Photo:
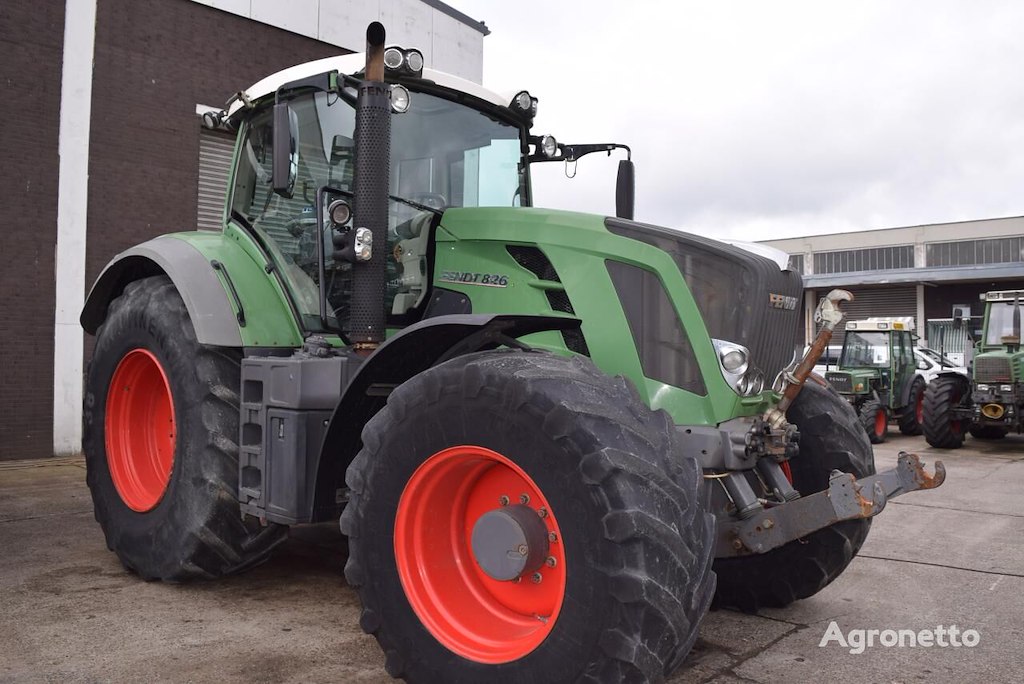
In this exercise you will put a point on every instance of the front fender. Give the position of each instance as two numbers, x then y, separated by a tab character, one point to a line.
405	354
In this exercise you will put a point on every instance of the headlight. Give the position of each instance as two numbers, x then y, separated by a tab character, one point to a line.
755	382
733	357
734	360
339	212
399	98
1006	388
522	100
549	146
983	388
364	244
414	60
399	59
752	383
393	58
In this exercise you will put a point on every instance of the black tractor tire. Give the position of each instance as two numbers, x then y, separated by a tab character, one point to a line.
194	529
875	420
942	395
831	438
638	543
988	432
912	415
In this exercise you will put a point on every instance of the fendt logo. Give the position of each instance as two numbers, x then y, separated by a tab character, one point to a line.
777	301
376	90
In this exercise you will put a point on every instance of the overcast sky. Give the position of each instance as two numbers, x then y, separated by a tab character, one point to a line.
754	120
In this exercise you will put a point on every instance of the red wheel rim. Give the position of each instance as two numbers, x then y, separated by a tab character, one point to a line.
470	613
880	422
919	408
139	429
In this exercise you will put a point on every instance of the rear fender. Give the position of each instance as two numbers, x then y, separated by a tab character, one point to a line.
405	354
233	304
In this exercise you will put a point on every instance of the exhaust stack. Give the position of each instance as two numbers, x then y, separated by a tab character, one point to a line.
372	174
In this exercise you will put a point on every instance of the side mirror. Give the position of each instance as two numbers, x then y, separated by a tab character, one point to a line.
286	150
625	183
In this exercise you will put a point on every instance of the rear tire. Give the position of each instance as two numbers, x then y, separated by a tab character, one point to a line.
183	521
988	432
636	544
941	429
912	415
831	438
875	420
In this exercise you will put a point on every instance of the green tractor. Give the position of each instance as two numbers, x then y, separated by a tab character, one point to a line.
877	374
988	404
548	435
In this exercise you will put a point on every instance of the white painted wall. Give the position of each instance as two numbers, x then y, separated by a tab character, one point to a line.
72	203
447	43
911	235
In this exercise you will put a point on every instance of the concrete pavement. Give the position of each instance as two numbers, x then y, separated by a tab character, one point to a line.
70	613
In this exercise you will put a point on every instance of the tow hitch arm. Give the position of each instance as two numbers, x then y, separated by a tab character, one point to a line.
845	498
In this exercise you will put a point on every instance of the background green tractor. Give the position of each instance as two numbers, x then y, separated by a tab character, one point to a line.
989	403
877	374
546	433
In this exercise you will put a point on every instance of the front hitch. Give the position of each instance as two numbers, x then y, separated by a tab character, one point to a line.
845	498
828	314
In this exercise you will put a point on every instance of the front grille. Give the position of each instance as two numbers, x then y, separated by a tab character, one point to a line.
992	369
742	297
841	381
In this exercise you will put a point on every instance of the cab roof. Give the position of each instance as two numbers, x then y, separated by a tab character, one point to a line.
354	64
1002	296
887	323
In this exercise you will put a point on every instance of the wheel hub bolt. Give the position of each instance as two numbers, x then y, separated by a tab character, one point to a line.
524	498
524	550
536	578
542	512
551	561
553	537
503	500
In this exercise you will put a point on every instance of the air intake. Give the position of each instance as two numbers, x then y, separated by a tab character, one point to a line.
534	261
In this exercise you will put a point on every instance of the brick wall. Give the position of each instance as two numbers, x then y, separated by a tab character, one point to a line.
31	42
154	61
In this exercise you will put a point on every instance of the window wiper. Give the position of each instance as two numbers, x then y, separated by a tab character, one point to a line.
416	205
404	200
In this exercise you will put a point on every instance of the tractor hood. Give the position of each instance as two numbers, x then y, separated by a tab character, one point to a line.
744	297
856	381
999	366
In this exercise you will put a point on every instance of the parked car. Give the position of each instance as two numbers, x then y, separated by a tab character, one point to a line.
930	363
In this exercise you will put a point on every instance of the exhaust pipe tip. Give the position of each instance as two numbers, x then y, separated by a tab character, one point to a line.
375	36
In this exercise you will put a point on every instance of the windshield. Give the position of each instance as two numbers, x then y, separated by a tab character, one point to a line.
443	154
1000	324
865	349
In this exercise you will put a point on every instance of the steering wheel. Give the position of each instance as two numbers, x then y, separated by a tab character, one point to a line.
297	226
434	200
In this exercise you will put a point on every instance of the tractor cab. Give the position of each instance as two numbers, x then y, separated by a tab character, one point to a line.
450	144
877	374
998	370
